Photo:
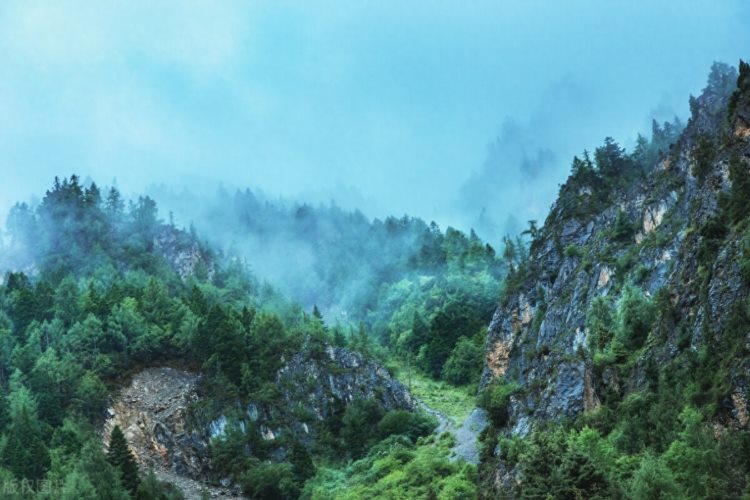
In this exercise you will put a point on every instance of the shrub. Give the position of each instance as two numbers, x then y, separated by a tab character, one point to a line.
745	259
704	155
736	206
402	422
495	399
573	251
712	233
270	481
623	229
555	467
635	317
599	323
654	480
465	362
359	425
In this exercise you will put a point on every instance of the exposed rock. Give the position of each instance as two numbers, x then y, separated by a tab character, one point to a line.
152	412
467	446
185	254
313	388
653	217
547	356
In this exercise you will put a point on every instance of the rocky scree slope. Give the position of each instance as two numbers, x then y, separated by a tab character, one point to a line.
165	421
655	230
154	413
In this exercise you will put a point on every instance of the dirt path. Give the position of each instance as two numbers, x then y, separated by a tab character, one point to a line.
466	434
467	446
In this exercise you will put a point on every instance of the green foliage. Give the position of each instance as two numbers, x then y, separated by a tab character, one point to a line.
111	296
573	251
270	481
712	233
495	399
24	451
741	94
704	156
745	258
454	402
120	456
78	487
302	463
623	229
736	206
397	468
465	362
635	317
150	488
648	153
653	480
360	425
106	478
559	465
600	324
405	423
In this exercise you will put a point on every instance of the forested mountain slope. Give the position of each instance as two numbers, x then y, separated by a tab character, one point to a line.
98	290
617	363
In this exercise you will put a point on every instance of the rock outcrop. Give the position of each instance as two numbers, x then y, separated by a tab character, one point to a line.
167	432
538	336
153	412
312	388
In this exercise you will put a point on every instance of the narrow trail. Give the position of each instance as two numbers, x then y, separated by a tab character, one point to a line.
466	434
467	446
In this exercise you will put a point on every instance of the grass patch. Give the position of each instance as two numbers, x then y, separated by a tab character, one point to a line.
454	402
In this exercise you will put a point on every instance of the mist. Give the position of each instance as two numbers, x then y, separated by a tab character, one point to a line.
466	114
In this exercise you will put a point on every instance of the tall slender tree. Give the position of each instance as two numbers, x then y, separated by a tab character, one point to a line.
120	456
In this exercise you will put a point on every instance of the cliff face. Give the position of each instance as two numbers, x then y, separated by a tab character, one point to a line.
313	388
653	231
154	413
166	424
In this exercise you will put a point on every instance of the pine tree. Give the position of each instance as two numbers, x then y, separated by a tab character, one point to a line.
738	202
302	464
120	456
25	453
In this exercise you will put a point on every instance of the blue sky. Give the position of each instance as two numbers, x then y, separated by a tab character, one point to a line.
390	106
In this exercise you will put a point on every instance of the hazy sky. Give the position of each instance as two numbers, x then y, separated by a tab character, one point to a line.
389	105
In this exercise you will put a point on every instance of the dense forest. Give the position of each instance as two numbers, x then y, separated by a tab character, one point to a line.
399	277
102	289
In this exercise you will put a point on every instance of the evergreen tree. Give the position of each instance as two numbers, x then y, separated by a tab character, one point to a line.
105	477
738	202
78	487
120	456
25	453
302	464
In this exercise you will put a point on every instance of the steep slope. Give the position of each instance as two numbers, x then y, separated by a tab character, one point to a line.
162	412
154	413
637	275
313	389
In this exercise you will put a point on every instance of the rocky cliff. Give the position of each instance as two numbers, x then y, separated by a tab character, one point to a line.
654	221
154	413
312	388
166	425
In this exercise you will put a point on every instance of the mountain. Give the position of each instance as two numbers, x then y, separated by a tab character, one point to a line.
113	322
603	354
617	364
